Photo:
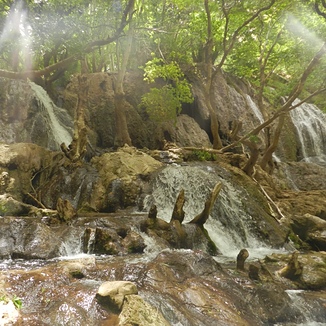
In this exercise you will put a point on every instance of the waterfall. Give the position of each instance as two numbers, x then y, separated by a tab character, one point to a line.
259	116
310	124
229	225
255	109
56	118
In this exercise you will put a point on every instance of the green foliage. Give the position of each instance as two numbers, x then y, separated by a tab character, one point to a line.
202	155
254	138
36	34
165	103
15	300
3	208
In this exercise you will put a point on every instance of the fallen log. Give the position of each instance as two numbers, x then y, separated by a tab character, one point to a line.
201	218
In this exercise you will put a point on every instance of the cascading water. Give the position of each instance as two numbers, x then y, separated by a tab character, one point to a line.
57	119
230	223
310	124
305	309
254	108
259	116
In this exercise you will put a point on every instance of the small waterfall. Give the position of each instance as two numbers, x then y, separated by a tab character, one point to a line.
255	109
310	124
72	243
56	118
229	225
259	117
89	237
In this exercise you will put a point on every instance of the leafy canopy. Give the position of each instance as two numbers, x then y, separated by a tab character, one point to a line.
165	103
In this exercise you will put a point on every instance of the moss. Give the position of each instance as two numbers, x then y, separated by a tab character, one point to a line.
201	155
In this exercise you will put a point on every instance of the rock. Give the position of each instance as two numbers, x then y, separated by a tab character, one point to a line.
119	184
311	267
11	206
106	242
65	210
136	311
254	272
28	238
186	132
303	176
134	243
113	293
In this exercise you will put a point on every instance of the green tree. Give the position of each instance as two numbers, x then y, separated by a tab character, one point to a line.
165	103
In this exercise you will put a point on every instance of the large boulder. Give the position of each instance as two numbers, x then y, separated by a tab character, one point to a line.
120	175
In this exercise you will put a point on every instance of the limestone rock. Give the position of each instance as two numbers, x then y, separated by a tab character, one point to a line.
119	173
187	132
114	293
136	311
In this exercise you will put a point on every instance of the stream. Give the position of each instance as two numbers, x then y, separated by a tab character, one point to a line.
56	269
61	290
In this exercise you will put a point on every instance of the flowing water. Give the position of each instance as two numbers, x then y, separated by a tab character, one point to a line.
230	224
305	309
254	108
57	119
310	124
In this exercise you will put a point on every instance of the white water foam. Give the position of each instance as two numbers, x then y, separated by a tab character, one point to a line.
59	132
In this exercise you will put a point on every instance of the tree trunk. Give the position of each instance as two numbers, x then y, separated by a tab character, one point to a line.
208	62
122	134
77	149
268	155
254	154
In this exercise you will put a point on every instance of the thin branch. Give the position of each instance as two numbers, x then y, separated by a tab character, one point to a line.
228	49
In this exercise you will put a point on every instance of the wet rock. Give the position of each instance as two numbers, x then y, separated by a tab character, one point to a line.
271	302
113	293
312	267
134	243
106	242
176	235
27	238
65	210
136	311
68	314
